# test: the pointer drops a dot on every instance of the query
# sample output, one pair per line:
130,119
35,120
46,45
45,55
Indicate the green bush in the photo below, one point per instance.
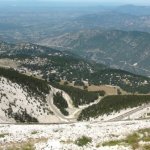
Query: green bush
84,140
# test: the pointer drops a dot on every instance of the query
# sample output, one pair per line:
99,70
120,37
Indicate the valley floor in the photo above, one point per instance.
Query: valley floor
72,136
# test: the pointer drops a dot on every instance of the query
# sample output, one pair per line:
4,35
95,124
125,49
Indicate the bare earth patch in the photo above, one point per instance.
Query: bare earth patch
8,63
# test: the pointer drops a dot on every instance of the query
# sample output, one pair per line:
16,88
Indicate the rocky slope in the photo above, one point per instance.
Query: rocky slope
17,105
89,136
27,99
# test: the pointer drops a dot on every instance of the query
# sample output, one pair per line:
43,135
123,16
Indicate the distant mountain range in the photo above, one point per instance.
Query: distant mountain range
34,25
127,50
134,10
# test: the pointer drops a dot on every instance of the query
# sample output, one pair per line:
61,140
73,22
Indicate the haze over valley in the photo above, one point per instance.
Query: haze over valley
74,75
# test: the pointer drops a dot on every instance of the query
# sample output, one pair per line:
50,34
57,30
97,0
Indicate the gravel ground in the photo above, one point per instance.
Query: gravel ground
63,136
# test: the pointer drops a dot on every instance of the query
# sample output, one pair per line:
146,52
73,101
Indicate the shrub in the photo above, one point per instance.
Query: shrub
84,140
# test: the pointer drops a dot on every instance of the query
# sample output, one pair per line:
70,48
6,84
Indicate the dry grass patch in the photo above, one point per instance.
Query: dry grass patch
2,135
110,90
25,145
69,141
146,147
113,143
132,140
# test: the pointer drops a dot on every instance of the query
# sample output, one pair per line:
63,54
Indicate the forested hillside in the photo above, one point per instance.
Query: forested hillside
111,104
55,66
33,85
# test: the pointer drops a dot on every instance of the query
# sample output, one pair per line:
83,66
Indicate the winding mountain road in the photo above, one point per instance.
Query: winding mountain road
55,109
127,114
73,116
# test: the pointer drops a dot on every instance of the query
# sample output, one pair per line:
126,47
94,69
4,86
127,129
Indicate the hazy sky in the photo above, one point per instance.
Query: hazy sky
116,1
142,2
109,1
